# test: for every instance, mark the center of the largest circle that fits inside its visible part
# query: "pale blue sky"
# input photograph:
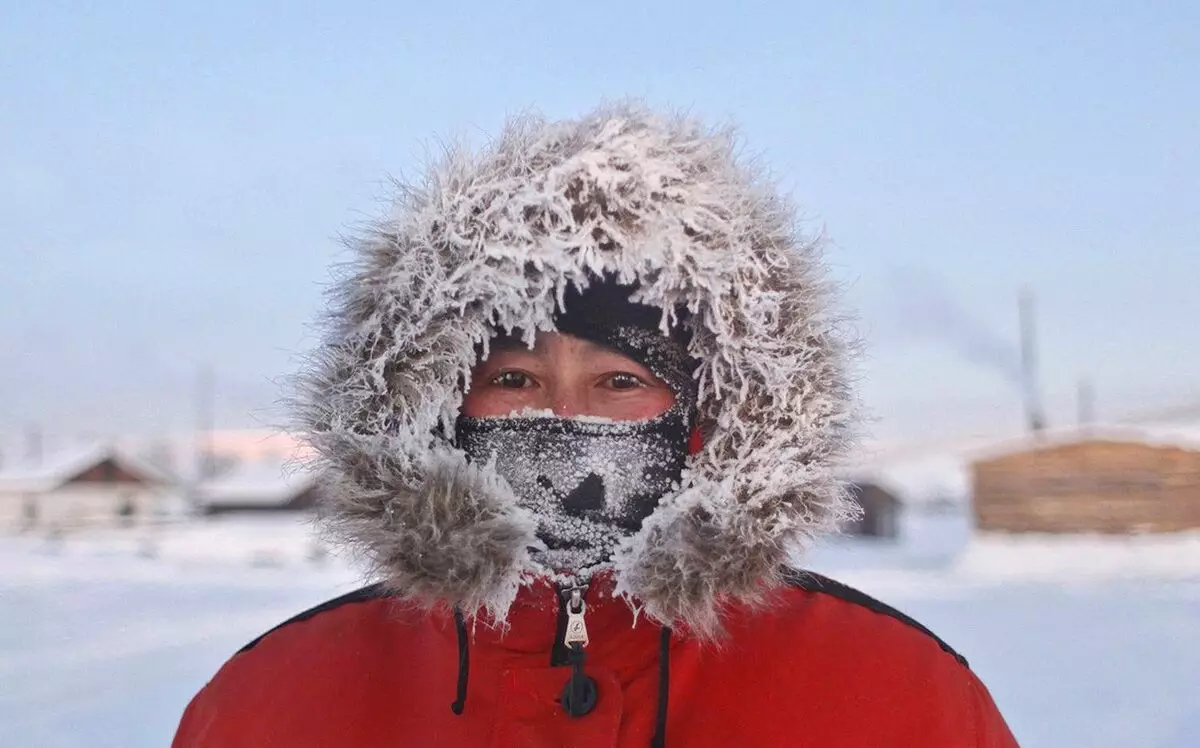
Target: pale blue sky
(173, 180)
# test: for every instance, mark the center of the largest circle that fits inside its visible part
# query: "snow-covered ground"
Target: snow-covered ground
(1084, 643)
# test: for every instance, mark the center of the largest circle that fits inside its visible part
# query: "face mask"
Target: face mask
(588, 482)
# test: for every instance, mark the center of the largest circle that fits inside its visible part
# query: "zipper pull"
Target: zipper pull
(576, 626)
(579, 695)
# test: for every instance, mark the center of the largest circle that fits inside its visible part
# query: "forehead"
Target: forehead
(553, 344)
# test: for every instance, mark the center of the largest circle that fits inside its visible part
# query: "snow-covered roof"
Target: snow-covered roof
(1178, 434)
(266, 483)
(61, 466)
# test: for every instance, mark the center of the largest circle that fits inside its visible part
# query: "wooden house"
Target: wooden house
(1112, 481)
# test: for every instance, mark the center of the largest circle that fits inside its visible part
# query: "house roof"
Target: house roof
(266, 483)
(61, 466)
(1176, 434)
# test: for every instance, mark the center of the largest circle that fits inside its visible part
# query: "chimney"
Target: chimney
(1034, 414)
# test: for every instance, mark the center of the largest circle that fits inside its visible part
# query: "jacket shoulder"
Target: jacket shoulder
(278, 678)
(811, 582)
(361, 595)
(827, 659)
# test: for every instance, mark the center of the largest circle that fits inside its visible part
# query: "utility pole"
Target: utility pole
(1029, 363)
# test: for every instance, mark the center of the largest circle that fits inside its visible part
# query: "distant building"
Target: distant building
(1115, 481)
(879, 498)
(95, 485)
(880, 511)
(262, 486)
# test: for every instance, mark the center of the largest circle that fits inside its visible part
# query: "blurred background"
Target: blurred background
(1012, 197)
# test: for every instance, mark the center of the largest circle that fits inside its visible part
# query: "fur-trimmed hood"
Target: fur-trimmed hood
(492, 240)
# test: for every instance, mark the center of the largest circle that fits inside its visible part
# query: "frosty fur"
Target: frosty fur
(492, 240)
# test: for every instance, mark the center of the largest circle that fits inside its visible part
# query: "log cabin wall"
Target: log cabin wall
(1089, 487)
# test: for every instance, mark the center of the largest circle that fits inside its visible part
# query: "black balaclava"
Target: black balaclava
(591, 482)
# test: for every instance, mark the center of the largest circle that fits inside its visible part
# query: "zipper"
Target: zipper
(576, 625)
(571, 626)
(579, 694)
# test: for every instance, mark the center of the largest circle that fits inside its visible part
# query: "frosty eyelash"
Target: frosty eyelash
(639, 382)
(494, 380)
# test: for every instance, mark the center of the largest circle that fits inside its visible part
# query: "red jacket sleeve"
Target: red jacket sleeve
(193, 726)
(991, 731)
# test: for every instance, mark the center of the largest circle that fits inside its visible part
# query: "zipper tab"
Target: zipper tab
(576, 632)
(579, 694)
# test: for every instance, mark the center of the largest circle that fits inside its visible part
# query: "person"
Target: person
(580, 403)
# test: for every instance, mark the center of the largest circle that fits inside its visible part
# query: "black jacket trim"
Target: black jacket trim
(365, 594)
(805, 580)
(813, 582)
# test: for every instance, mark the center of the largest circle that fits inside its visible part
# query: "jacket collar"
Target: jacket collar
(532, 625)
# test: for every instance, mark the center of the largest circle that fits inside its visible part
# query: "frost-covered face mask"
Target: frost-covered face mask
(589, 482)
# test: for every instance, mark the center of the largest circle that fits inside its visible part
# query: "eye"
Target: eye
(512, 380)
(623, 381)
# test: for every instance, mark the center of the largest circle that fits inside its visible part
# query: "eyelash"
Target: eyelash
(498, 379)
(636, 381)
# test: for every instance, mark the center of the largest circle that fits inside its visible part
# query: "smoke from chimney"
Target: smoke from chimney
(923, 307)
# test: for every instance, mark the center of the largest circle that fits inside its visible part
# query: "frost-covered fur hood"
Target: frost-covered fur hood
(492, 240)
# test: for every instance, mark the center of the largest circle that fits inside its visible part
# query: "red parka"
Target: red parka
(823, 665)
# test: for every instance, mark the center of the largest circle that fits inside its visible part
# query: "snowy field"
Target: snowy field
(1084, 644)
